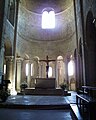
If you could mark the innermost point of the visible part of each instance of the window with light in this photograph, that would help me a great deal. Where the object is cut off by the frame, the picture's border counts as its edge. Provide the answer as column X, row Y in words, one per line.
column 4, row 70
column 71, row 68
column 27, row 69
column 48, row 19
column 31, row 69
column 50, row 72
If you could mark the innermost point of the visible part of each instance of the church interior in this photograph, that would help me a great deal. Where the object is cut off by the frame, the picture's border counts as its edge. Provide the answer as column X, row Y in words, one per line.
column 48, row 48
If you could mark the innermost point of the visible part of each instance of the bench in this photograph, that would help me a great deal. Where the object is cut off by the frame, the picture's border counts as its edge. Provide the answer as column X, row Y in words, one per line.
column 86, row 102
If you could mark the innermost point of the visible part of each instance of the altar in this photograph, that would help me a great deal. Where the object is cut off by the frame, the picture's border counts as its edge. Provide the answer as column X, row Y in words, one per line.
column 45, row 83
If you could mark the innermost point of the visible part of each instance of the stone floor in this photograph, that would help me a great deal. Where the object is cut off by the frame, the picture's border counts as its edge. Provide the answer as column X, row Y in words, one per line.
column 41, row 100
column 52, row 113
column 18, row 114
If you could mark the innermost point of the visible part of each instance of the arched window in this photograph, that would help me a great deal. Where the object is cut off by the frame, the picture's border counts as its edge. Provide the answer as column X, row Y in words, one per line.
column 27, row 69
column 50, row 72
column 11, row 11
column 4, row 69
column 48, row 19
column 71, row 68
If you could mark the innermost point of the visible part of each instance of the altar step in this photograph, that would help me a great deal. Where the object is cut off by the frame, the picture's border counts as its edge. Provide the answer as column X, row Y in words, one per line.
column 56, row 92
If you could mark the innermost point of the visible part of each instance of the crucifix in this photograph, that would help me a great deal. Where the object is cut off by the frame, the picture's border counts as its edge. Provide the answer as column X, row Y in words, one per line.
column 47, row 66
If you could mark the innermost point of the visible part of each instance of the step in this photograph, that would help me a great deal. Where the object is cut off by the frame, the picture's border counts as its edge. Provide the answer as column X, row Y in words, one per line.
column 58, row 92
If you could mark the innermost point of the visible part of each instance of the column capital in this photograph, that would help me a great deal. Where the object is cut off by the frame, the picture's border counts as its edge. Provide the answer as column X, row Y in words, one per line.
column 9, row 58
column 19, row 59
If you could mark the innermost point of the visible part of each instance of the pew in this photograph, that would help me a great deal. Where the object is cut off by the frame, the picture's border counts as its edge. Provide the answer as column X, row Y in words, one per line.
column 86, row 102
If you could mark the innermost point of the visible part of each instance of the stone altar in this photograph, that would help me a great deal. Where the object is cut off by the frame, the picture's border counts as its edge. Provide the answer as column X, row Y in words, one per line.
column 45, row 83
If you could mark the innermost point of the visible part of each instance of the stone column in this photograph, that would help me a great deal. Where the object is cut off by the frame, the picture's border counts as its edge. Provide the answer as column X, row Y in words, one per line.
column 23, row 72
column 36, row 68
column 13, row 91
column 40, row 70
column 57, row 80
column 9, row 70
column 18, row 71
column 67, row 59
column 55, row 75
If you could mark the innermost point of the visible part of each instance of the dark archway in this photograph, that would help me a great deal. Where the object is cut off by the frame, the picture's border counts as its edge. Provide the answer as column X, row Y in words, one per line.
column 90, row 51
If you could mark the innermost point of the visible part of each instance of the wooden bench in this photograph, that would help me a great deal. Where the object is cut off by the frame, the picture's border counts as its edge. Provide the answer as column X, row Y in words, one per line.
column 86, row 102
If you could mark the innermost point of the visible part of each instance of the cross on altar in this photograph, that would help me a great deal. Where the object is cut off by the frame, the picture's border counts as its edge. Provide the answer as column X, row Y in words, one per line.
column 47, row 66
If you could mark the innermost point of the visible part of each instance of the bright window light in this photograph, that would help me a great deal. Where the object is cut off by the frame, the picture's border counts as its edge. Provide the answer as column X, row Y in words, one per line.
column 50, row 72
column 31, row 69
column 27, row 69
column 48, row 20
column 4, row 69
column 51, row 19
column 71, row 68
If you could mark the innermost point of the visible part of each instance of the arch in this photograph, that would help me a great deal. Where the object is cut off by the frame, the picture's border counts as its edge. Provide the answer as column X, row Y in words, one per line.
column 90, row 49
column 60, row 58
column 26, row 56
column 36, row 58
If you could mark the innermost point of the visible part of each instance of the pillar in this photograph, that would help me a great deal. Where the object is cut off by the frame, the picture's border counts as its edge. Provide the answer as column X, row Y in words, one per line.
column 23, row 72
column 40, row 70
column 57, row 80
column 9, row 70
column 18, row 73
column 13, row 91
column 67, row 59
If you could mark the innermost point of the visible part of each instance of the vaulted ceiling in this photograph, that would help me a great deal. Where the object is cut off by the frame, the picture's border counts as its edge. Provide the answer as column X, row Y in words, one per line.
column 30, row 17
column 37, row 5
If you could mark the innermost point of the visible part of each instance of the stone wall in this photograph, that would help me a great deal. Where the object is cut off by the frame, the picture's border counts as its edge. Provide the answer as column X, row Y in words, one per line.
column 34, row 41
column 2, row 5
column 82, row 8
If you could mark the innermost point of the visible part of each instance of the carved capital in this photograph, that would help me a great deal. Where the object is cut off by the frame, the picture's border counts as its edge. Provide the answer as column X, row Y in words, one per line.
column 9, row 58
